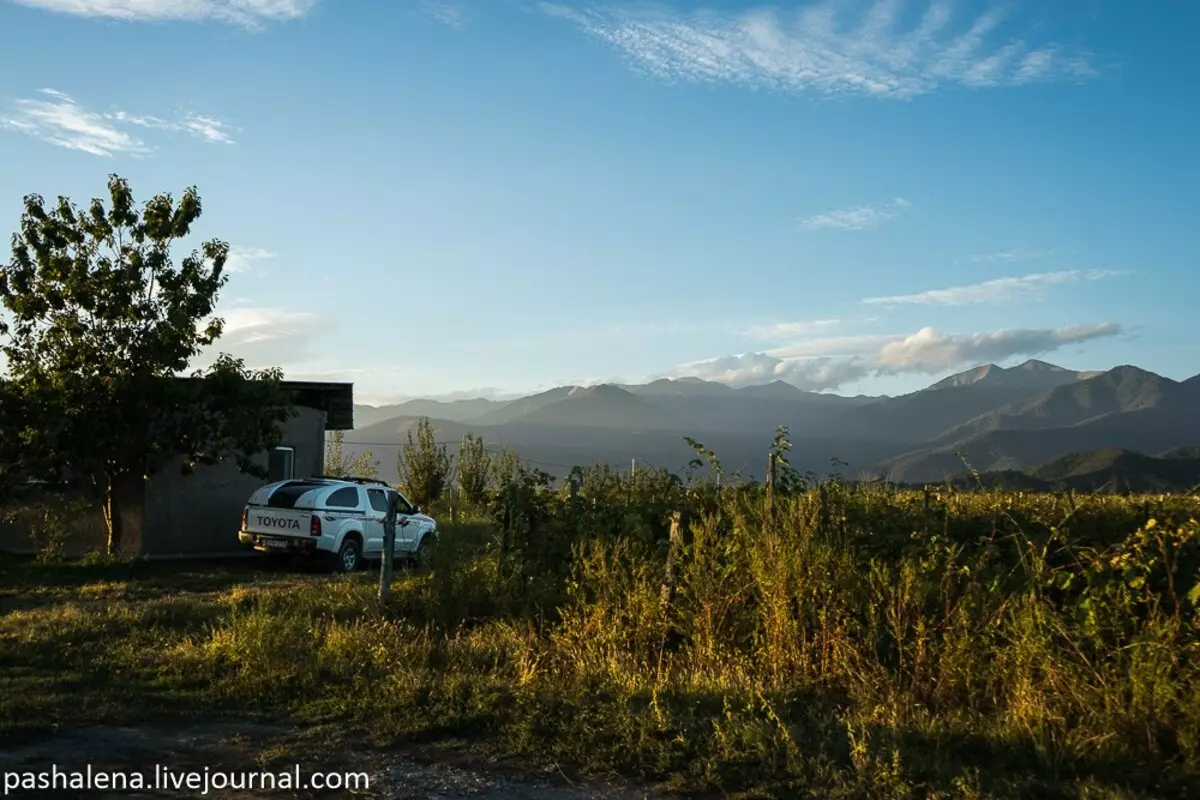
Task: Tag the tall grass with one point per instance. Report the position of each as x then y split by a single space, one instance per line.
827 641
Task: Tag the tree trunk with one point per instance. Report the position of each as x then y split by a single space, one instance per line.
113 518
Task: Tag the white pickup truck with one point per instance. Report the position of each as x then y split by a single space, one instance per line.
341 518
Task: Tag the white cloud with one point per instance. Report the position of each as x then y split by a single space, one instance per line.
242 259
444 12
248 13
201 127
827 48
929 352
57 118
206 128
781 329
269 337
748 369
1025 287
823 364
857 218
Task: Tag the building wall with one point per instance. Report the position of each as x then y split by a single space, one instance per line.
200 514
74 517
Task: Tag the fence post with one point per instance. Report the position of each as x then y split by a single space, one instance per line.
506 527
389 546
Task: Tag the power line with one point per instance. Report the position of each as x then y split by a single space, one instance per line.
491 450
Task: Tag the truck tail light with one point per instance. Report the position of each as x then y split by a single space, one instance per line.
314 525
245 518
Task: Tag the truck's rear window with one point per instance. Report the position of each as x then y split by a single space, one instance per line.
287 495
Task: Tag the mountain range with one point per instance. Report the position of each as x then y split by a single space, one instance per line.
996 419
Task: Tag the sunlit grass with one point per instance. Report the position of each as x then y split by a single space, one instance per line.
857 643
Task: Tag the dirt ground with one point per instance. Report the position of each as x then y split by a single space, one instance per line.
445 771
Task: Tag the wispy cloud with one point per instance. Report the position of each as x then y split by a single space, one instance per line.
780 330
201 127
267 337
857 218
823 364
1012 256
243 259
828 47
1025 287
247 13
444 12
57 118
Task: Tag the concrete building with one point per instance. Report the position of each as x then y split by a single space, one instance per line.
172 514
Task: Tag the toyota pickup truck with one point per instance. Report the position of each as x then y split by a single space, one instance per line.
340 519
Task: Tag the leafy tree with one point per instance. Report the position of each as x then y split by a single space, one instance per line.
101 328
338 464
423 465
505 469
474 466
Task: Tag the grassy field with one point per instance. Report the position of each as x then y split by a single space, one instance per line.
835 642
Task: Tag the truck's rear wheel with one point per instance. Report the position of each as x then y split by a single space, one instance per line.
349 556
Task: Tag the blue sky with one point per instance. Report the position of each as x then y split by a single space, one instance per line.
435 197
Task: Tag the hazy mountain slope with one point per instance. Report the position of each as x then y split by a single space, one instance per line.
454 410
1118 390
605 406
1109 470
1148 430
1032 376
1184 451
917 417
515 409
1125 464
994 416
674 387
556 449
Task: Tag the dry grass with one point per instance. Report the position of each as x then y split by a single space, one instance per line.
844 643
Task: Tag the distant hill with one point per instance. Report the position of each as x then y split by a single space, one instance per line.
1187 451
1003 420
1032 376
1124 408
928 413
454 410
1119 390
605 406
680 387
515 409
1108 469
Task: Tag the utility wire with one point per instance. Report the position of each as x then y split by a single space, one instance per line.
492 450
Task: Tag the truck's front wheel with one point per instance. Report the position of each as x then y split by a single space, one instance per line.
349 556
424 555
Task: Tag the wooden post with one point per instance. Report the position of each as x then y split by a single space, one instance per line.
668 586
389 546
506 526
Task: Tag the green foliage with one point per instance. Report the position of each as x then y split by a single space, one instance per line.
505 468
337 463
101 321
423 465
473 471
830 640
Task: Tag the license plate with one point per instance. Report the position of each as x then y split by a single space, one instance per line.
274 544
